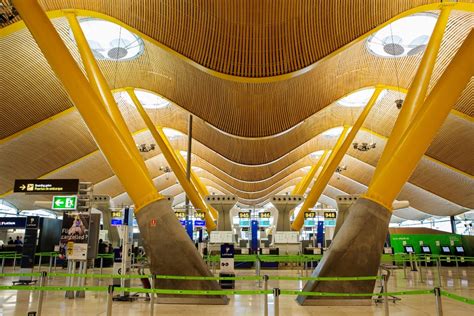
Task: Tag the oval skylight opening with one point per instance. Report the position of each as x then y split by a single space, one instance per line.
172 133
407 36
110 41
306 169
150 100
333 132
316 154
360 98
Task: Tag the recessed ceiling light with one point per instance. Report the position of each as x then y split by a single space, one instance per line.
407 36
110 41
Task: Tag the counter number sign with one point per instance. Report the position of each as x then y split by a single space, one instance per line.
330 215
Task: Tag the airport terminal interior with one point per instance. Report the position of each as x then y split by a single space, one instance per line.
245 157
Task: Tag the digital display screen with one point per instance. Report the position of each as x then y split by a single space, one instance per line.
244 223
264 223
309 222
409 249
446 249
459 249
426 249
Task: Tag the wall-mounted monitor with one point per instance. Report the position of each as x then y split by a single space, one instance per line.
425 249
445 249
409 249
459 249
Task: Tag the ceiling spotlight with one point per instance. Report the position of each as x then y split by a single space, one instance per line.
340 169
399 103
144 148
364 146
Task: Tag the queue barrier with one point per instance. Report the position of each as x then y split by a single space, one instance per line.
276 292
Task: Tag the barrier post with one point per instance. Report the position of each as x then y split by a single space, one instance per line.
40 259
276 301
3 263
14 263
110 296
41 293
404 267
50 263
421 271
152 299
265 298
101 264
257 268
439 306
385 297
438 264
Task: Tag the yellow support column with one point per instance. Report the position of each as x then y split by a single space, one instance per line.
100 86
107 136
300 189
419 135
418 88
175 165
334 161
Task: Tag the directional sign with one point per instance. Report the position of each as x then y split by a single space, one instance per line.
64 202
46 186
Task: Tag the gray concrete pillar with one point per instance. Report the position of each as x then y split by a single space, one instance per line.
355 251
171 252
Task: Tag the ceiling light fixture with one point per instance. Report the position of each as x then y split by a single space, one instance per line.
364 146
144 148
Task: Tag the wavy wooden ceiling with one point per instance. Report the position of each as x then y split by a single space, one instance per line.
295 110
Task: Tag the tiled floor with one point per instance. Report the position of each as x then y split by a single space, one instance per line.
459 281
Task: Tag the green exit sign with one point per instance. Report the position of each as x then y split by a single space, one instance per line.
64 202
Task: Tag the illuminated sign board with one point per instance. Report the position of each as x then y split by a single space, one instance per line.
64 202
265 214
46 186
244 214
309 214
330 215
180 215
116 218
199 223
200 215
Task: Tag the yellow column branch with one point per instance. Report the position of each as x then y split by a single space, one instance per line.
334 160
107 136
419 135
304 183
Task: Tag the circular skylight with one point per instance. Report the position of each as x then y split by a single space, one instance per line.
360 98
407 36
109 41
333 132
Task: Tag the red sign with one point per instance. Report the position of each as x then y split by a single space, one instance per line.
153 223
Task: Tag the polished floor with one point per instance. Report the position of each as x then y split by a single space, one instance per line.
456 280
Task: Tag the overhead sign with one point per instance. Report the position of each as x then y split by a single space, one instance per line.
199 223
309 214
244 214
64 202
180 215
13 222
265 214
46 186
329 215
201 215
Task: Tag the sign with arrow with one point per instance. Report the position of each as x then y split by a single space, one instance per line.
46 186
64 202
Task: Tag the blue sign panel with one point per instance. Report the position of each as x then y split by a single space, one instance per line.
13 222
199 223
320 233
309 222
189 228
244 223
116 222
264 222
183 222
254 231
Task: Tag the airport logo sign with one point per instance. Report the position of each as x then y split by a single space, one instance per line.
64 202
45 186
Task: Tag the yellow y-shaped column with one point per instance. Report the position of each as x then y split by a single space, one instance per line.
355 251
334 160
100 86
301 187
418 88
174 163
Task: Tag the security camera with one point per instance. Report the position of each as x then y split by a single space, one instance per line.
399 103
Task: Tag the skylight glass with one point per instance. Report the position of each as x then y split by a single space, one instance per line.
407 36
360 98
333 132
150 100
316 154
172 133
306 169
109 41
